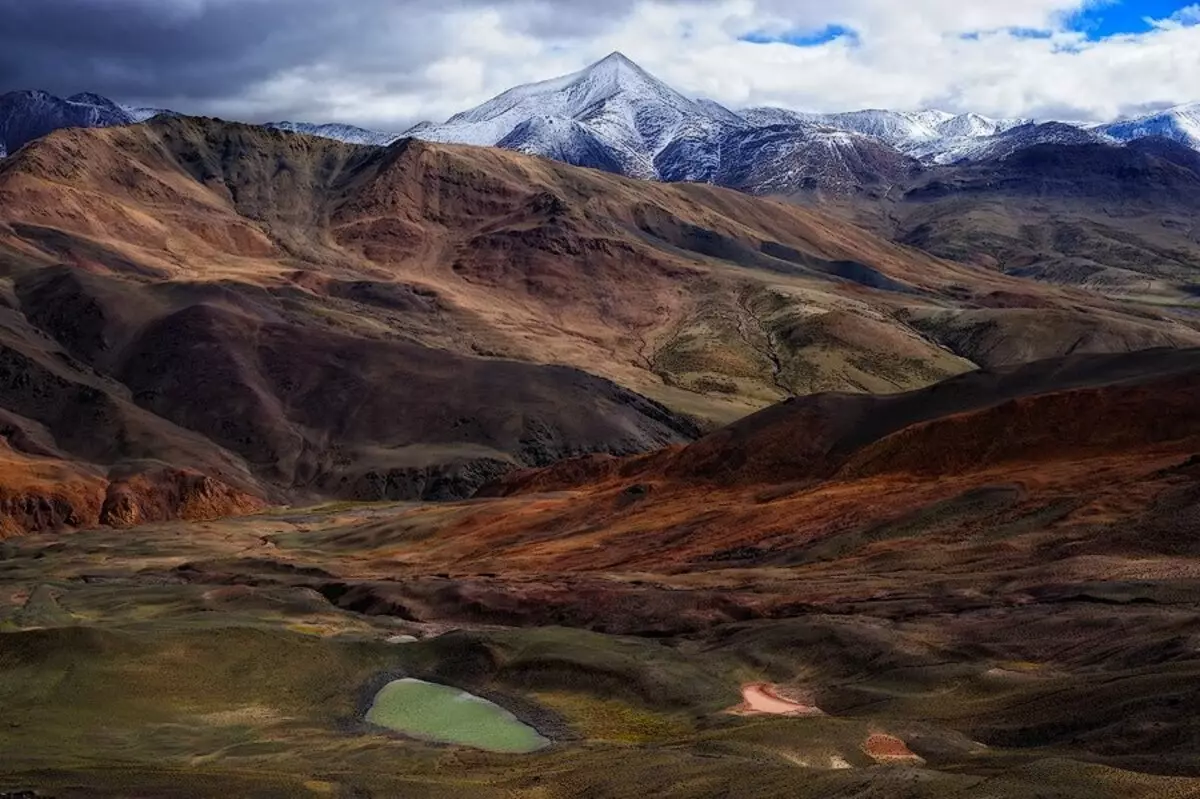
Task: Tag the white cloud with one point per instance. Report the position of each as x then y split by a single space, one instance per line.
956 54
1184 17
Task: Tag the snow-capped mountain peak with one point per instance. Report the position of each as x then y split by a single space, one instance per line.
613 104
974 126
91 98
614 115
897 128
574 95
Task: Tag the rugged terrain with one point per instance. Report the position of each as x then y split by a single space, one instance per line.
886 484
28 115
293 318
983 588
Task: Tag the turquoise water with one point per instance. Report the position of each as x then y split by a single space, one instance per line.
448 715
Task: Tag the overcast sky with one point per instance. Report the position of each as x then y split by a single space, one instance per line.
386 64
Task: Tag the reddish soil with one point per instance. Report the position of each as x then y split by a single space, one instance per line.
43 494
886 748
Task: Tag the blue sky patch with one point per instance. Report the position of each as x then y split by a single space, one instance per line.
811 38
1102 20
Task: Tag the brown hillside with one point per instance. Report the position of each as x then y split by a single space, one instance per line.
301 318
826 466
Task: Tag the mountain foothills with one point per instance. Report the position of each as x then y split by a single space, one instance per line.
774 455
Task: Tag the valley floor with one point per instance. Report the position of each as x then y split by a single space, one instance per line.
961 651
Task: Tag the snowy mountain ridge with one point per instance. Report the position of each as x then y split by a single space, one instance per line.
1180 124
927 135
139 113
616 116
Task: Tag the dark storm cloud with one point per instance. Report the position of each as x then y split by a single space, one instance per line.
197 48
194 53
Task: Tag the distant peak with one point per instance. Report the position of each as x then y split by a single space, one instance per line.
616 57
616 63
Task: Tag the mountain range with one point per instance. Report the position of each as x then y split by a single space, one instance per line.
251 305
615 116
28 115
228 291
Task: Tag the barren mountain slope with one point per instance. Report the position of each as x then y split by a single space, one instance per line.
515 256
527 257
1119 221
784 479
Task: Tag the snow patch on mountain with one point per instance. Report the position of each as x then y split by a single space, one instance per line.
1007 142
934 136
719 112
789 159
1180 124
28 115
139 113
974 126
343 133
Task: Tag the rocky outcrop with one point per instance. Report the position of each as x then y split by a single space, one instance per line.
33 511
39 495
436 483
166 494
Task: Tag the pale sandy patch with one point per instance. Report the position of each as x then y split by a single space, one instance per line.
764 699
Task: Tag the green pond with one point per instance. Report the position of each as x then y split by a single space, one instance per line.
440 713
